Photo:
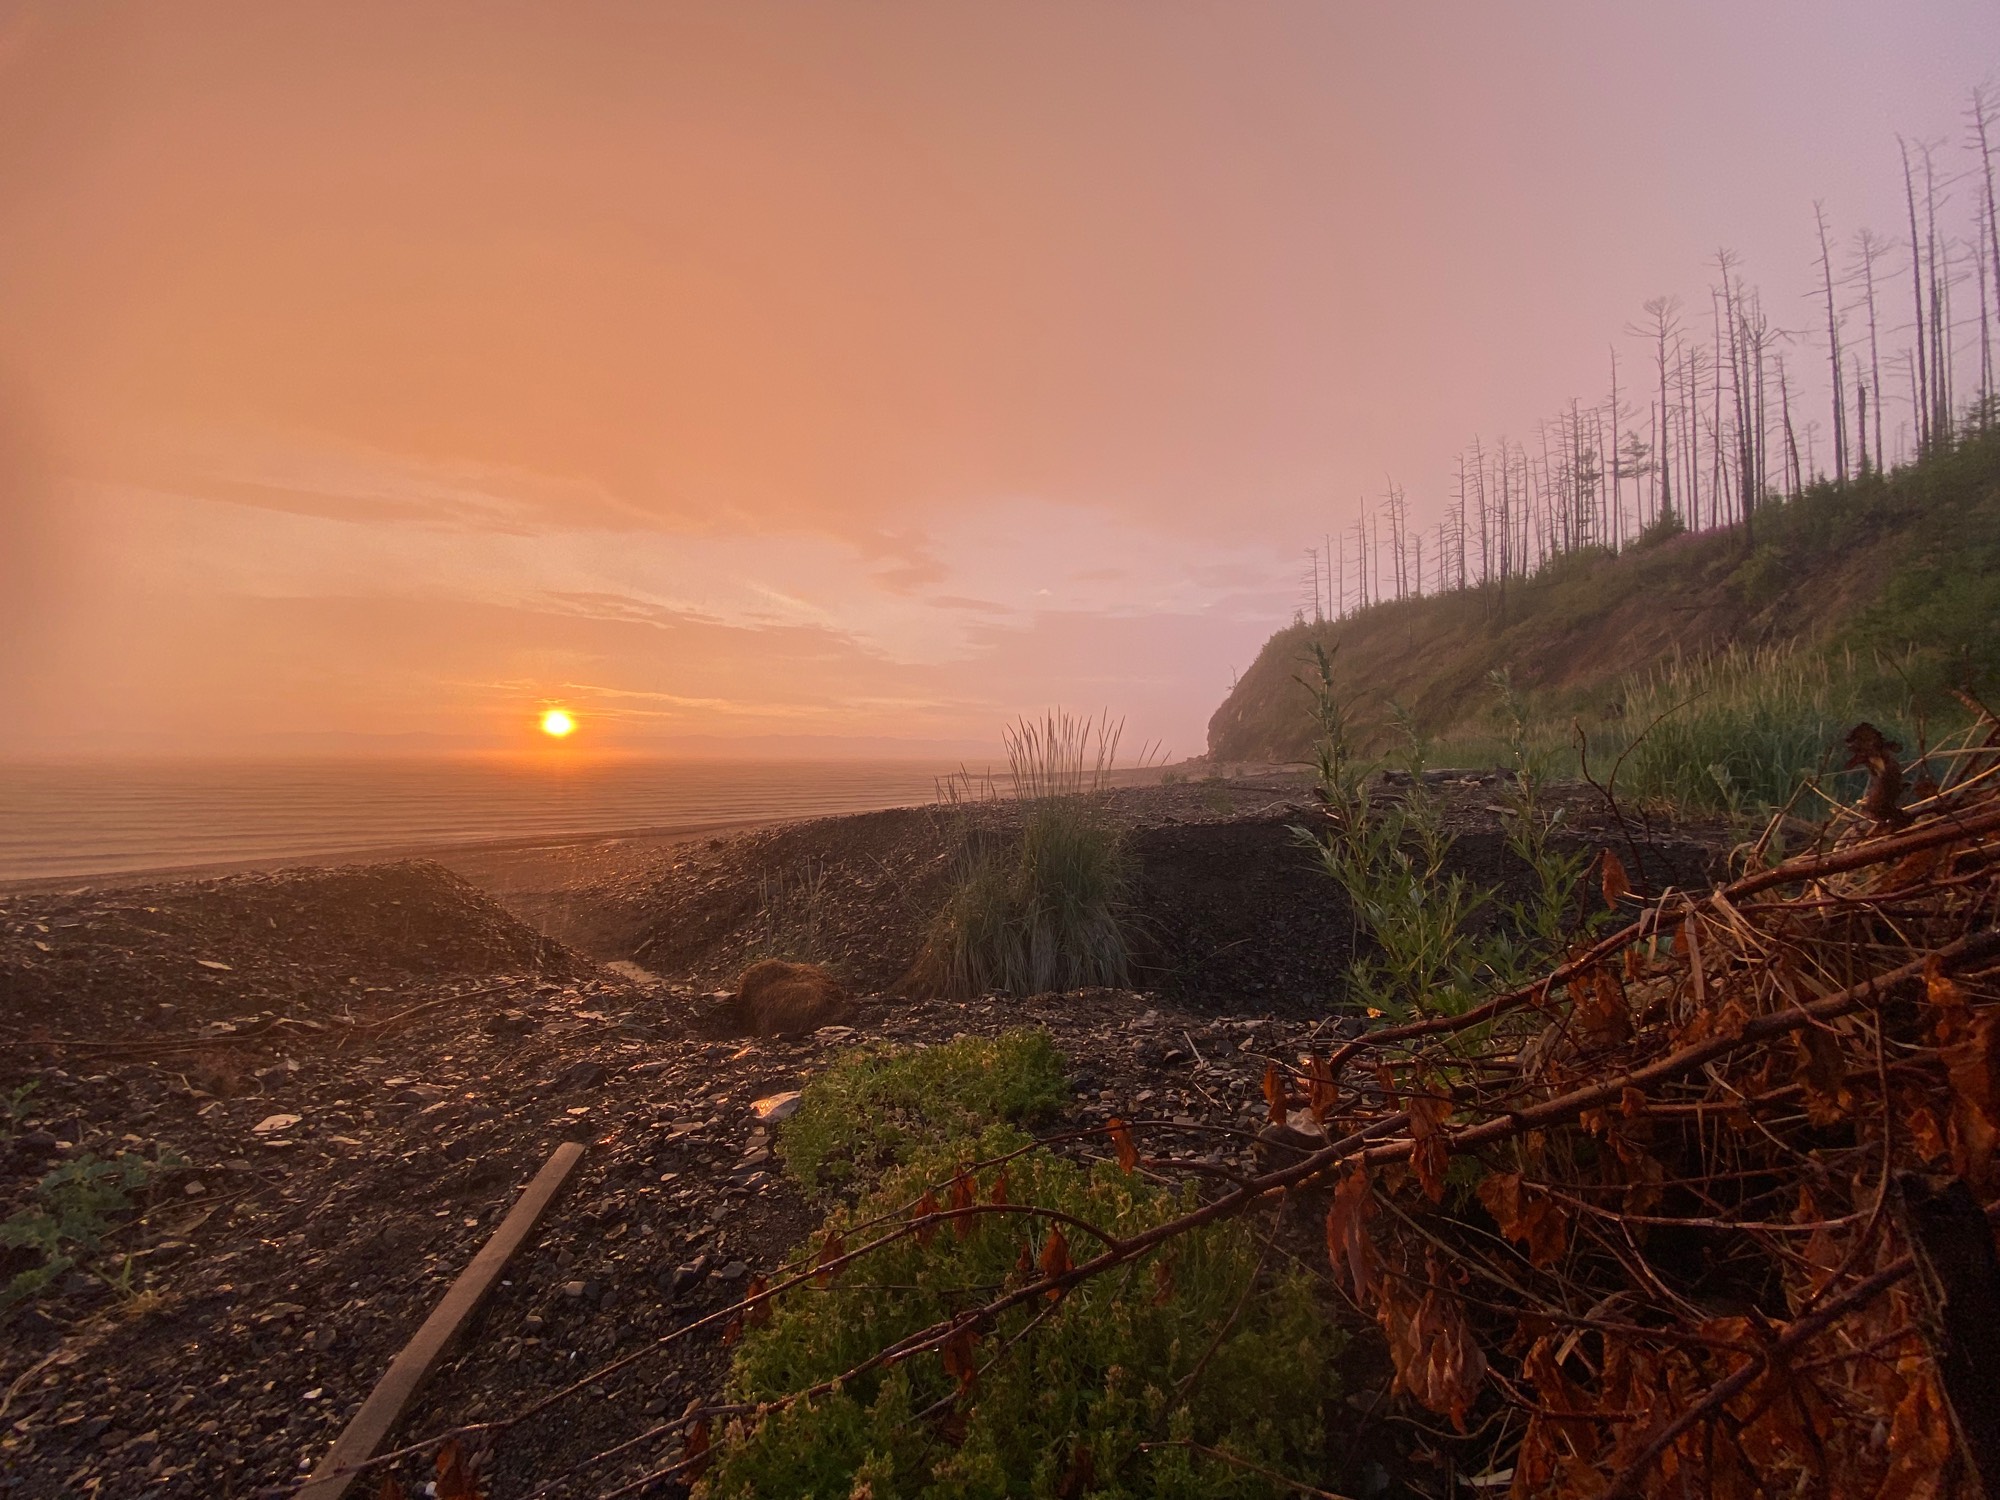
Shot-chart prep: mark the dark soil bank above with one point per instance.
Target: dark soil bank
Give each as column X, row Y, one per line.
column 1230, row 912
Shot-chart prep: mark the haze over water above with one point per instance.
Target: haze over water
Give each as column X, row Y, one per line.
column 88, row 818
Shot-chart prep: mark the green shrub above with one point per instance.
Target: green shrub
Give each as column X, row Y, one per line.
column 1073, row 1398
column 871, row 1109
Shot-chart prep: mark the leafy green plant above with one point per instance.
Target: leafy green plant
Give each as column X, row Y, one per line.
column 1049, row 912
column 871, row 1109
column 1106, row 1392
column 72, row 1209
column 1440, row 942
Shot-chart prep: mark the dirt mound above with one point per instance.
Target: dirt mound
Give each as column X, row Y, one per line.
column 1228, row 912
column 306, row 942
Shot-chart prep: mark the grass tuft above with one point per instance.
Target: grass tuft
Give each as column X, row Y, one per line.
column 1048, row 913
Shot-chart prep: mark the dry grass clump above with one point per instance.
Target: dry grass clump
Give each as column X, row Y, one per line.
column 1048, row 912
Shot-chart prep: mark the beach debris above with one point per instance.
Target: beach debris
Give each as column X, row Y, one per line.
column 773, row 1108
column 406, row 1374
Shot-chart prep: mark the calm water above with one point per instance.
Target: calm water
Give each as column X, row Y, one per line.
column 78, row 819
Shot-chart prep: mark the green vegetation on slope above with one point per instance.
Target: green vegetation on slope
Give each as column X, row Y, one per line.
column 1901, row 571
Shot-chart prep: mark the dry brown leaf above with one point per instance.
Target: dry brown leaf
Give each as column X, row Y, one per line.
column 1121, row 1142
column 756, row 1293
column 1385, row 1079
column 1055, row 1259
column 959, row 1361
column 457, row 1473
column 1163, row 1281
column 830, row 1250
column 964, row 1193
column 1349, row 1247
column 1920, row 1444
column 1322, row 1094
column 1437, row 1360
column 1277, row 1098
column 1821, row 1075
column 997, row 1194
column 926, row 1206
column 1613, row 881
column 1431, row 1153
column 1601, row 1007
column 1527, row 1215
column 1950, row 1015
column 694, row 1450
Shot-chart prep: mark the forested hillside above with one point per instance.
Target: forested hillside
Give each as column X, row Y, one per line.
column 1903, row 570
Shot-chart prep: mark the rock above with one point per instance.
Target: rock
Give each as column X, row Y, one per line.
column 583, row 1074
column 573, row 1291
column 272, row 1123
column 755, row 1159
column 775, row 1107
column 1280, row 1146
column 534, row 1323
column 736, row 1270
column 686, row 1278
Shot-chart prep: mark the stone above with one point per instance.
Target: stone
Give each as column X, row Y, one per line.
column 775, row 1107
column 272, row 1123
column 583, row 1074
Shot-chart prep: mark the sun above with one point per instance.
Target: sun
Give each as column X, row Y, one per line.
column 557, row 723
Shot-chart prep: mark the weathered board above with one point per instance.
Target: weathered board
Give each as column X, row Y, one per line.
column 408, row 1371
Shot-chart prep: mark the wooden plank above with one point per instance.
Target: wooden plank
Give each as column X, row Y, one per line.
column 408, row 1371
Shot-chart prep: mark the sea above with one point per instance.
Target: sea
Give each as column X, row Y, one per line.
column 104, row 817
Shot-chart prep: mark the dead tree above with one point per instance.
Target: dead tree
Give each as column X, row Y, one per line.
column 1921, row 369
column 1833, row 348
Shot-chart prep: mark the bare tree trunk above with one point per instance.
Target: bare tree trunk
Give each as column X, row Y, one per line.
column 1833, row 349
column 1921, row 374
column 1941, row 424
column 1791, row 437
column 1982, row 121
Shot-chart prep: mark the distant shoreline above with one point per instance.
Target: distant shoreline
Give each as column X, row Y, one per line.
column 660, row 835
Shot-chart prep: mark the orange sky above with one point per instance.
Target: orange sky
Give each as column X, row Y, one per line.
column 749, row 375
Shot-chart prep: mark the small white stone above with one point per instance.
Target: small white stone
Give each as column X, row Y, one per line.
column 775, row 1107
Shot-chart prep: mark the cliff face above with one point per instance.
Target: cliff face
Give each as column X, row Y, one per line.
column 1908, row 560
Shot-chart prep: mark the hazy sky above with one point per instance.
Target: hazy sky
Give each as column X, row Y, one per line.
column 862, row 370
